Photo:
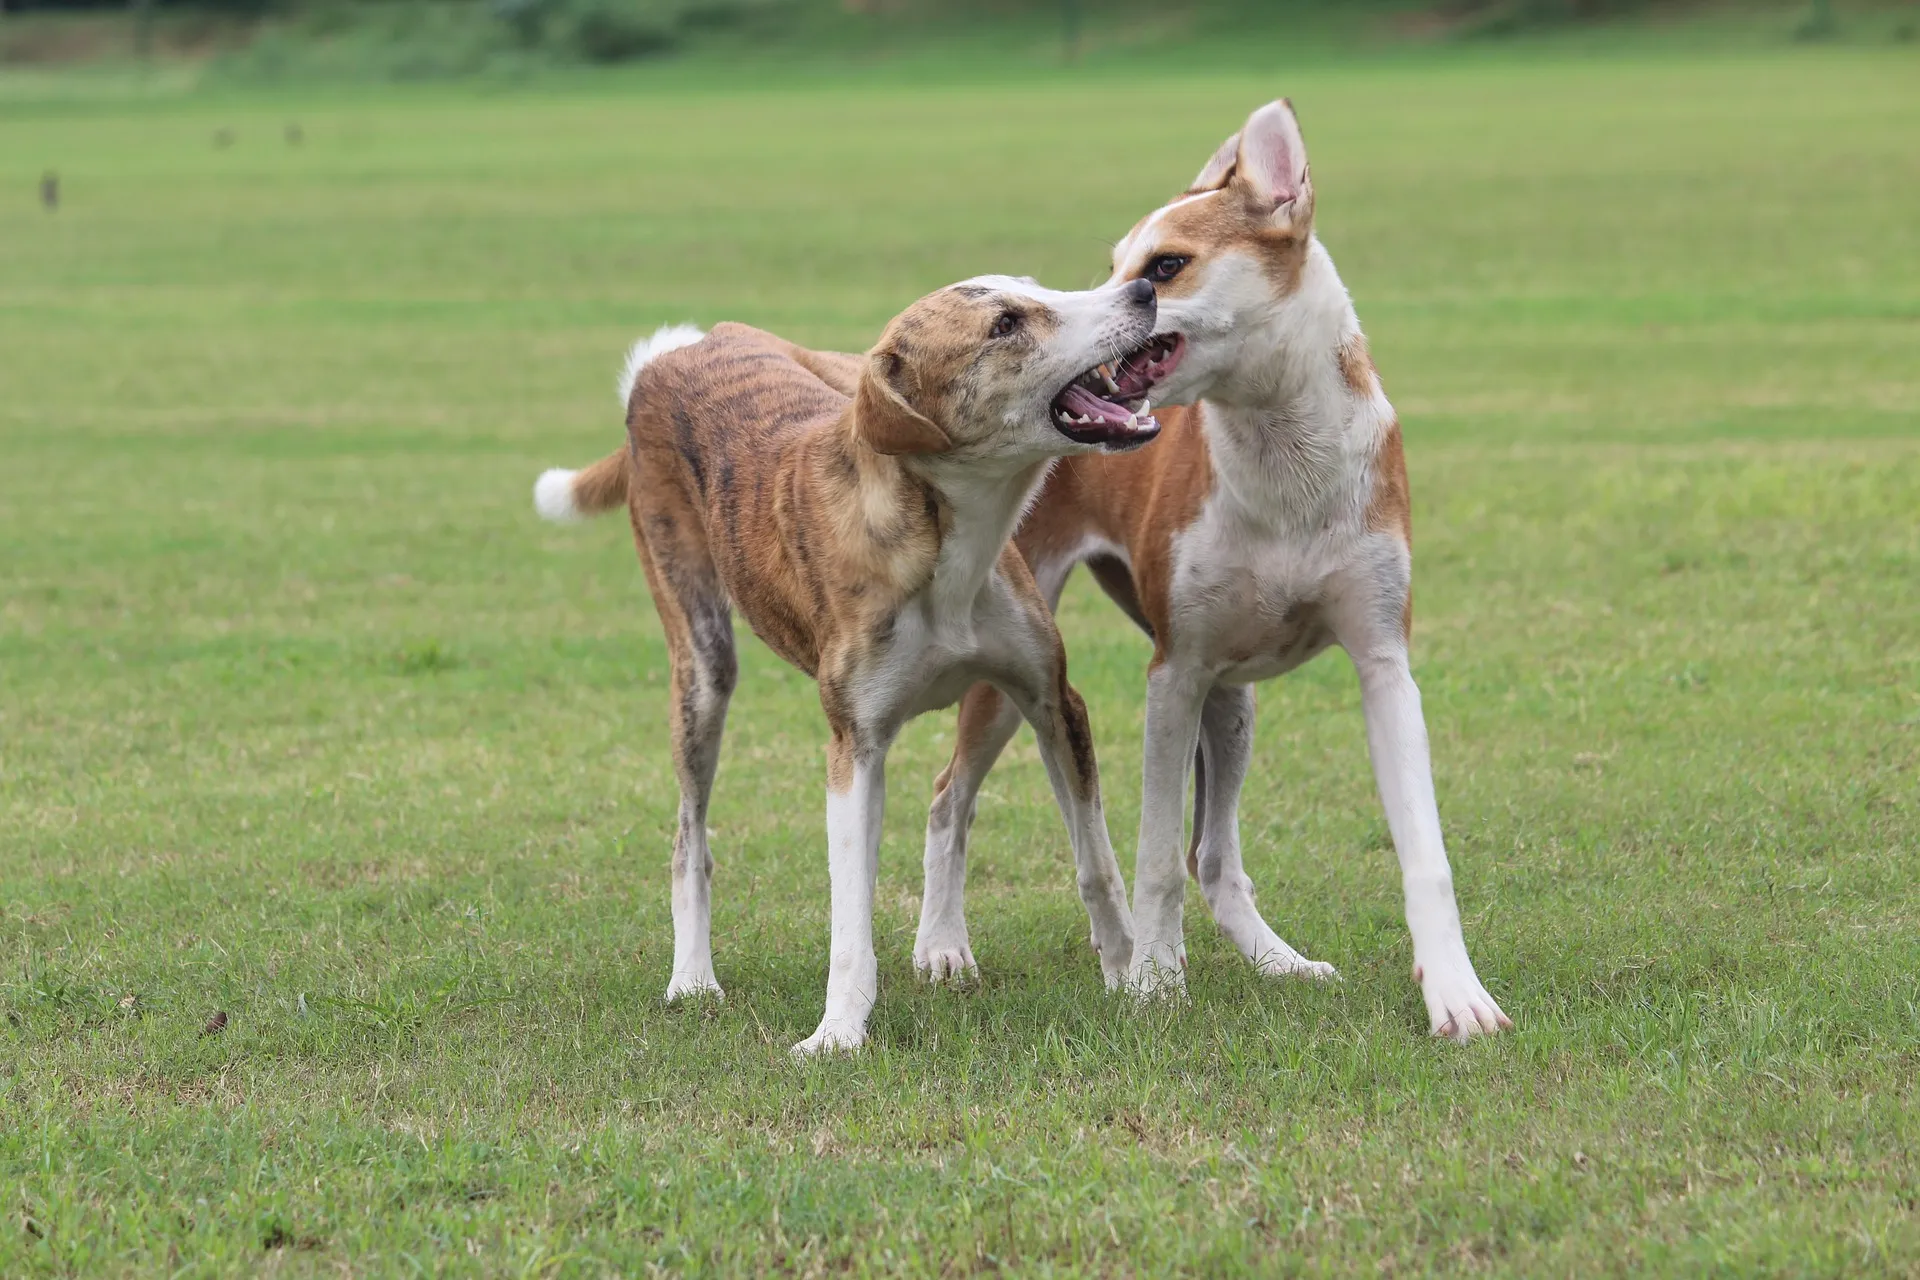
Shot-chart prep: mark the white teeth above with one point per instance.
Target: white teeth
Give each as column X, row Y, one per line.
column 1146, row 407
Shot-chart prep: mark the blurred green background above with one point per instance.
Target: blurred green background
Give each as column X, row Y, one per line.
column 509, row 39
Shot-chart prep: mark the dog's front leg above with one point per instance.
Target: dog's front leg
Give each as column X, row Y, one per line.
column 1060, row 726
column 1458, row 1006
column 856, row 800
column 1174, row 698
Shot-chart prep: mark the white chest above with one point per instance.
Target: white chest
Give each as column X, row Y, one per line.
column 930, row 659
column 1249, row 606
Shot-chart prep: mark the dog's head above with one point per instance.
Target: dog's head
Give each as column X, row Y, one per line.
column 1001, row 367
column 1226, row 256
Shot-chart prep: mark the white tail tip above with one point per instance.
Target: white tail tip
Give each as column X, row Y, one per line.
column 553, row 496
column 664, row 339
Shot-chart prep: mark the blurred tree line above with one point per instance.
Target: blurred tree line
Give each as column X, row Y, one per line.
column 430, row 37
column 1068, row 10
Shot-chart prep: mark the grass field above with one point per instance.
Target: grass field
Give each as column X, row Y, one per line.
column 305, row 719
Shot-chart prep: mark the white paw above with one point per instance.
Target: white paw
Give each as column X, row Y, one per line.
column 694, row 984
column 1115, row 955
column 832, row 1037
column 1158, row 973
column 1291, row 964
column 939, row 961
column 1458, row 1007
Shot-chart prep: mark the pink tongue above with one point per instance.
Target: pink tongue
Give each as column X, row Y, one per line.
column 1082, row 403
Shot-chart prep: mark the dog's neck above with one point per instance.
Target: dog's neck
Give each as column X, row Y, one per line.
column 984, row 503
column 1288, row 434
column 932, row 526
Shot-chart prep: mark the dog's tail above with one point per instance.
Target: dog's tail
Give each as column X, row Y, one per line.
column 566, row 497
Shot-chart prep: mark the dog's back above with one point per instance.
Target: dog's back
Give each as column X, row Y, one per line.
column 737, row 393
column 718, row 431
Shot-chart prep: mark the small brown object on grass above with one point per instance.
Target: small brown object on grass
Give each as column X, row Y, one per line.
column 215, row 1025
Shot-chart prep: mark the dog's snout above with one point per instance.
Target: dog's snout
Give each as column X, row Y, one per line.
column 1139, row 293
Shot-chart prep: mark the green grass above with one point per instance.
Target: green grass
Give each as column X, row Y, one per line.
column 304, row 717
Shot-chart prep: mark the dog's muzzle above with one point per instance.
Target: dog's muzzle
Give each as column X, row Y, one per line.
column 1109, row 405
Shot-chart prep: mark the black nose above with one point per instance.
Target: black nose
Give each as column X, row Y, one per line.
column 1139, row 293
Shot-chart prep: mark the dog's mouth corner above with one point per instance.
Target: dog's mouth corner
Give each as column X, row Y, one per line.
column 1109, row 405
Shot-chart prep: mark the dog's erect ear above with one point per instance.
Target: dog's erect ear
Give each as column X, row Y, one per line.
column 1219, row 169
column 1272, row 160
column 882, row 418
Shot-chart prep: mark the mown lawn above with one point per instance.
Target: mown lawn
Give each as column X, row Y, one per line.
column 305, row 719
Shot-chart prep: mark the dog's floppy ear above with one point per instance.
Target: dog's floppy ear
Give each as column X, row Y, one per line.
column 1271, row 163
column 882, row 418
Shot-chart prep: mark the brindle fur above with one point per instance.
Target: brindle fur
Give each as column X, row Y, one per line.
column 856, row 511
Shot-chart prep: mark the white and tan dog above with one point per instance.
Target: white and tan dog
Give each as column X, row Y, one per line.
column 857, row 512
column 1270, row 522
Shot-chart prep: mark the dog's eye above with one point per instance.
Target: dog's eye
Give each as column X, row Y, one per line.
column 1005, row 323
column 1166, row 267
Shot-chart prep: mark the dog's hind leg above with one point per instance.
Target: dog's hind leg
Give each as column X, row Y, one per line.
column 1060, row 726
column 988, row 721
column 1373, row 629
column 698, row 621
column 1175, row 696
column 1226, row 747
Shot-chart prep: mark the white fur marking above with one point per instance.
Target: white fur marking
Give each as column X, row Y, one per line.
column 853, row 973
column 670, row 337
column 553, row 496
column 1125, row 249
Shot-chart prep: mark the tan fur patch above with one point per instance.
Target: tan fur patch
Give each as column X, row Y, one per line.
column 602, row 486
column 1213, row 225
column 839, row 764
column 1137, row 500
column 1356, row 366
column 1068, row 708
column 1390, row 505
column 884, row 422
column 886, row 526
column 978, row 711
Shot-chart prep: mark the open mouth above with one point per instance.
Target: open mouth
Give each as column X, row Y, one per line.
column 1109, row 404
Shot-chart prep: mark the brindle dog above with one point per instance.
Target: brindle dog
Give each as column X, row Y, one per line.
column 857, row 511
